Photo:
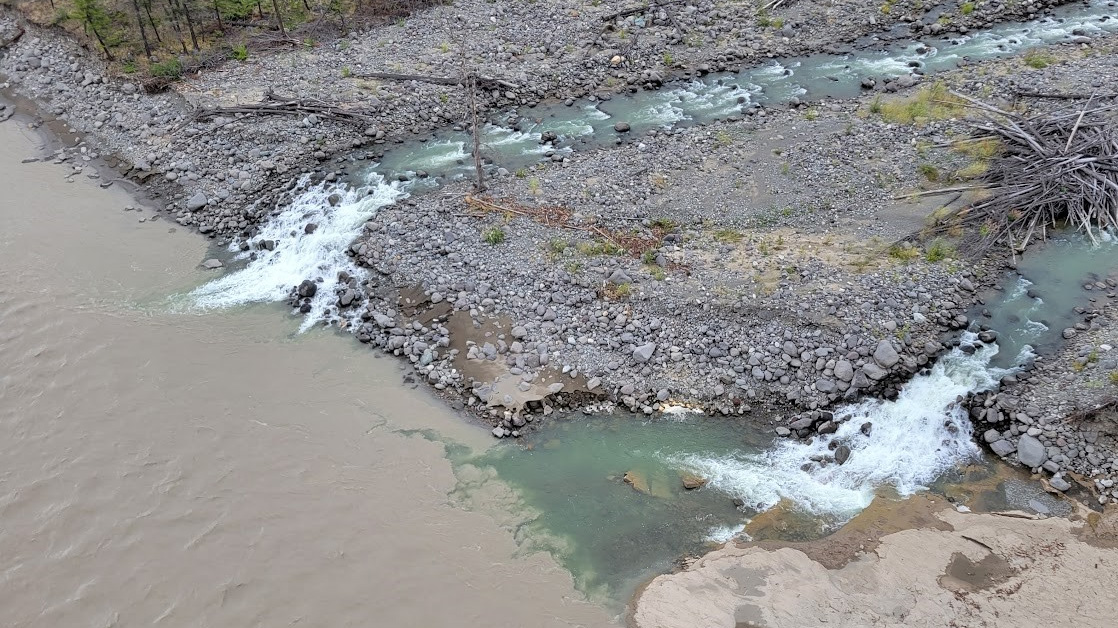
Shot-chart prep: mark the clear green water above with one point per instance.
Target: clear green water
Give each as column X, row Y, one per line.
column 1040, row 298
column 611, row 537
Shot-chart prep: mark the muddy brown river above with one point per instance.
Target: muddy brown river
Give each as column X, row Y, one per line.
column 159, row 466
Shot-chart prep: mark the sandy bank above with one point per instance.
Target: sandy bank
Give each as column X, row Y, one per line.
column 965, row 569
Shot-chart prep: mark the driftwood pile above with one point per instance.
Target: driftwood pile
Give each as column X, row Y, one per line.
column 284, row 106
column 1052, row 169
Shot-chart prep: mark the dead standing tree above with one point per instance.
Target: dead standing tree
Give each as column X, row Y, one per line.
column 1053, row 169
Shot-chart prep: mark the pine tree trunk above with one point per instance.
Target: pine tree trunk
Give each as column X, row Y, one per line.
column 217, row 14
column 151, row 20
column 108, row 55
column 143, row 31
column 189, row 23
column 279, row 19
column 175, row 23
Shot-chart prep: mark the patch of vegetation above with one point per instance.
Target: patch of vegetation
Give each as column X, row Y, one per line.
column 657, row 273
column 129, row 66
column 723, row 139
column 938, row 251
column 649, row 257
column 728, row 236
column 666, row 224
column 1114, row 378
column 811, row 115
column 668, row 59
column 972, row 171
column 573, row 267
column 346, row 72
column 493, row 236
column 616, row 292
column 239, row 52
column 534, row 186
column 1038, row 59
column 904, row 253
column 556, row 247
column 598, row 247
column 169, row 69
column 967, row 8
column 521, row 173
column 929, row 172
column 934, row 102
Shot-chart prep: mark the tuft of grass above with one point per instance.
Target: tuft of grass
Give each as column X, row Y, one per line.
column 668, row 59
column 239, row 52
column 521, row 173
column 534, row 186
column 967, row 8
column 728, row 236
column 985, row 148
column 573, row 267
column 903, row 253
column 1114, row 378
column 444, row 47
column 723, row 139
column 811, row 115
column 346, row 72
column 934, row 102
column 129, row 66
column 616, row 292
column 170, row 69
column 938, row 251
column 1038, row 59
column 657, row 273
column 667, row 224
column 598, row 247
column 556, row 248
column 973, row 170
column 929, row 172
column 493, row 236
column 649, row 257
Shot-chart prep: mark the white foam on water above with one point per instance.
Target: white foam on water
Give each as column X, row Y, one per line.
column 299, row 255
column 438, row 155
column 914, row 439
column 723, row 534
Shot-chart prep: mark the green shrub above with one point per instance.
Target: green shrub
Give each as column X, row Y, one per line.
column 493, row 236
column 938, row 251
column 1038, row 59
column 170, row 69
column 239, row 52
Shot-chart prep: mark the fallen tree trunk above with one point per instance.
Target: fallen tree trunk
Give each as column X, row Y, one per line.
column 437, row 80
column 279, row 105
column 634, row 10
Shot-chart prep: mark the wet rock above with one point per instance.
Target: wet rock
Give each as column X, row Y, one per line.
column 622, row 127
column 866, row 429
column 307, row 288
column 842, row 454
column 691, row 481
column 1059, row 483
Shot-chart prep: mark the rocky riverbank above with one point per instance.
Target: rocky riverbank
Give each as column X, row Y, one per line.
column 748, row 263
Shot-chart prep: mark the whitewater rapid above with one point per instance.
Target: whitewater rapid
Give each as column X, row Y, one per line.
column 301, row 251
column 913, row 440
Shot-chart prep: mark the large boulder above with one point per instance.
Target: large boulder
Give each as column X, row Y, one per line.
column 1030, row 451
column 885, row 354
column 196, row 202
